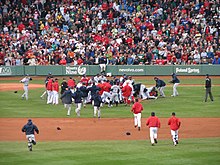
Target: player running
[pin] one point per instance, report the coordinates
(174, 124)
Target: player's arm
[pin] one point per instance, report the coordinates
(169, 122)
(148, 121)
(23, 129)
(158, 123)
(36, 129)
(179, 123)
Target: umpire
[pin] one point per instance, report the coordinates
(208, 86)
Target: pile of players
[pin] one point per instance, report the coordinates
(99, 90)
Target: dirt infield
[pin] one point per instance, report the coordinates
(17, 86)
(90, 129)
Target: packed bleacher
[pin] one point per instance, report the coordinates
(114, 32)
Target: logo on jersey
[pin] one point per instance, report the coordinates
(5, 71)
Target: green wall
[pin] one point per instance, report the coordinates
(113, 69)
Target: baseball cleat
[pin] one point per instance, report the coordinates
(34, 142)
(177, 142)
(155, 140)
(139, 128)
(30, 148)
(152, 144)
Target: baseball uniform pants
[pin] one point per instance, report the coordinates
(153, 134)
(137, 120)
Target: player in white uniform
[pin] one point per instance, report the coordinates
(115, 90)
(25, 81)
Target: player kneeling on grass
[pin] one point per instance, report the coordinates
(174, 124)
(29, 130)
(97, 102)
(137, 108)
(78, 101)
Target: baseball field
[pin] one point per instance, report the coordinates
(88, 140)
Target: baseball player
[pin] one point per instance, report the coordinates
(84, 91)
(153, 123)
(25, 81)
(71, 84)
(46, 81)
(160, 85)
(29, 130)
(174, 124)
(50, 90)
(97, 103)
(115, 90)
(126, 93)
(137, 108)
(175, 82)
(106, 96)
(56, 92)
(67, 100)
(64, 85)
(77, 95)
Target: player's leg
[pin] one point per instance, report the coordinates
(152, 135)
(139, 121)
(155, 134)
(210, 94)
(95, 111)
(68, 106)
(135, 120)
(29, 142)
(177, 136)
(99, 112)
(26, 92)
(162, 91)
(173, 134)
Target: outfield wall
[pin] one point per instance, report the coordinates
(140, 70)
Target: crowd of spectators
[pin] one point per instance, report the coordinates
(123, 32)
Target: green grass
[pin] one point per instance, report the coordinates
(136, 152)
(189, 104)
(189, 151)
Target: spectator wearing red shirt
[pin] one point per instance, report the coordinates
(153, 123)
(174, 124)
(137, 108)
(56, 92)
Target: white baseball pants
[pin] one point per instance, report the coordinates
(78, 108)
(137, 119)
(174, 135)
(25, 94)
(55, 97)
(153, 134)
(49, 97)
(175, 92)
(161, 91)
(97, 109)
(30, 138)
(68, 106)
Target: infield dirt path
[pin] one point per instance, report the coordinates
(90, 129)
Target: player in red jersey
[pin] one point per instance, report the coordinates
(174, 124)
(153, 123)
(137, 108)
(56, 92)
(126, 93)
